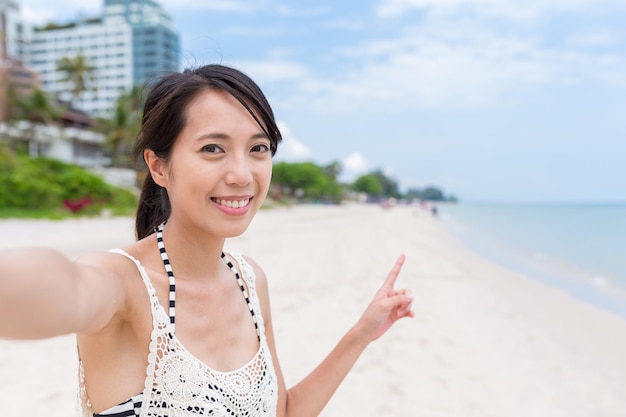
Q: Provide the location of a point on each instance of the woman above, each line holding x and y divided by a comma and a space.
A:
167, 326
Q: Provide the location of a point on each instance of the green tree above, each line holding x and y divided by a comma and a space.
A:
78, 72
390, 186
11, 105
333, 169
305, 180
38, 109
432, 194
376, 184
122, 127
369, 184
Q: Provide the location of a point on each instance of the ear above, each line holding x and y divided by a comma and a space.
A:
157, 167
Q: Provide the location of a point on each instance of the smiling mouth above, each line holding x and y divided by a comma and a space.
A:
232, 203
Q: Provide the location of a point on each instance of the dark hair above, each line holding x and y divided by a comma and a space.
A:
164, 117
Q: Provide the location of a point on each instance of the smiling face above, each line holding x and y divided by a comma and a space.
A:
220, 168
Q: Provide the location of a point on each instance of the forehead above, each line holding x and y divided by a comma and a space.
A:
214, 102
214, 110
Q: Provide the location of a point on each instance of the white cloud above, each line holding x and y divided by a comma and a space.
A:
241, 6
593, 39
461, 62
353, 165
347, 24
43, 11
299, 11
291, 149
266, 71
520, 10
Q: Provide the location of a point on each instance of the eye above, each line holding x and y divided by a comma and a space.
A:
212, 148
260, 147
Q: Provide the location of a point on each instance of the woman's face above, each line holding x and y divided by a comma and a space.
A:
220, 167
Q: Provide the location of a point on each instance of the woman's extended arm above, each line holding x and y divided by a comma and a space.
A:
44, 294
310, 396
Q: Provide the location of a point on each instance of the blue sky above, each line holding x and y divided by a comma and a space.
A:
491, 100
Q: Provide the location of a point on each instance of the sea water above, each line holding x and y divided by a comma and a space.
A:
580, 248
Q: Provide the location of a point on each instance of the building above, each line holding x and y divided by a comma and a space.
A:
11, 30
131, 42
16, 80
68, 140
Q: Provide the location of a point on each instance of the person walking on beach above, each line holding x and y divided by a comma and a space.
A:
171, 325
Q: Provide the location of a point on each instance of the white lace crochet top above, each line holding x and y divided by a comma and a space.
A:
179, 385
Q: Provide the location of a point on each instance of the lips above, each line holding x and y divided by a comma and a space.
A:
232, 203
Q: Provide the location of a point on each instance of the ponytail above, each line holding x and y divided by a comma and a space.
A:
153, 208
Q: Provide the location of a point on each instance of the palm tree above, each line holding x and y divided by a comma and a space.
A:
122, 127
78, 72
38, 109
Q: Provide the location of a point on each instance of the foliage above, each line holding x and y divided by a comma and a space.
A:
122, 127
306, 181
78, 72
53, 26
309, 182
376, 184
369, 184
49, 185
429, 193
37, 108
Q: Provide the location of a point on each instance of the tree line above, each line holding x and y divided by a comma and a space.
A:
306, 181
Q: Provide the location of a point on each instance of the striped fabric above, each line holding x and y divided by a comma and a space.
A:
245, 294
170, 274
129, 408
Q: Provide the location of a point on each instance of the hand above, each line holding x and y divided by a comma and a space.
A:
387, 307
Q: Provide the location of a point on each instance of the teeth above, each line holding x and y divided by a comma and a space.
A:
233, 203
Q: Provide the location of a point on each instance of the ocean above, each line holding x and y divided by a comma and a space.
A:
579, 248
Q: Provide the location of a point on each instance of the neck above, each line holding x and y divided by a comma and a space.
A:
193, 255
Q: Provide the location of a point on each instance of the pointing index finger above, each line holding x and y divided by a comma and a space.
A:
395, 271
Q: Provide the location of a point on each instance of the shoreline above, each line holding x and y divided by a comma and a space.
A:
584, 284
486, 341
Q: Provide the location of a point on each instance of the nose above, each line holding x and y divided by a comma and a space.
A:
239, 171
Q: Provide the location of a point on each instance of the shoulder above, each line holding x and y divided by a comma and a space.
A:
118, 272
262, 289
110, 264
254, 272
123, 262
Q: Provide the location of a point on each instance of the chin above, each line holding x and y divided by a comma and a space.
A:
235, 230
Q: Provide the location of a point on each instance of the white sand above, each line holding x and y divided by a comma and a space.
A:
484, 342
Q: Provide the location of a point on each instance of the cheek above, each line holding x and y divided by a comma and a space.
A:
268, 173
264, 170
264, 177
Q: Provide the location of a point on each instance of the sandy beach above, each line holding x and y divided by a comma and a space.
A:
485, 341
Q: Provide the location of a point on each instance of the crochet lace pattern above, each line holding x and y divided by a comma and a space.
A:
179, 385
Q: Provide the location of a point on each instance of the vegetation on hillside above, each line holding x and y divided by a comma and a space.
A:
43, 187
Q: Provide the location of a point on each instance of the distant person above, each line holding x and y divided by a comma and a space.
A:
433, 210
170, 325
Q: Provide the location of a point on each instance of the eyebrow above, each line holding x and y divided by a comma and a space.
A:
223, 136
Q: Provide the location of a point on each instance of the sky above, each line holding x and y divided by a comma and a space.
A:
489, 100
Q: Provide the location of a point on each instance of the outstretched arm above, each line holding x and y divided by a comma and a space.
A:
311, 395
44, 294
